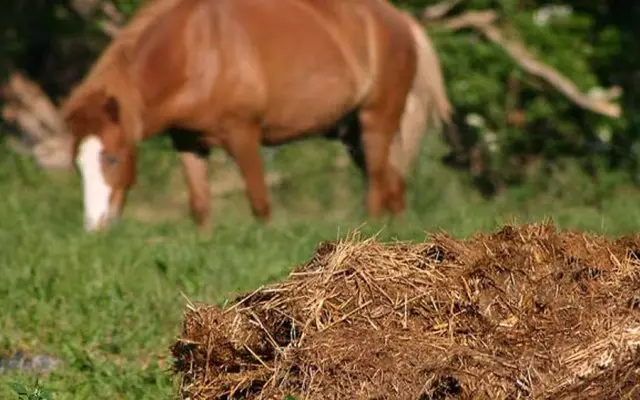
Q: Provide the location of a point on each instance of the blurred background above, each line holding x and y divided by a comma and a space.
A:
545, 95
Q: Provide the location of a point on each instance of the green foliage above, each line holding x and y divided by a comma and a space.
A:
128, 7
487, 87
37, 393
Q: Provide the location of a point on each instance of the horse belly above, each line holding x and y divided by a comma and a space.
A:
307, 107
312, 72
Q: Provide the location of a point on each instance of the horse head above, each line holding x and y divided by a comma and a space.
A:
104, 155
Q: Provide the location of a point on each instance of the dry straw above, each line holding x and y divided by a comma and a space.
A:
526, 312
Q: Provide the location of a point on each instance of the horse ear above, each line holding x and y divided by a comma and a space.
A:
76, 119
112, 108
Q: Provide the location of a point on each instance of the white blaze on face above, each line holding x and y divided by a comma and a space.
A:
96, 189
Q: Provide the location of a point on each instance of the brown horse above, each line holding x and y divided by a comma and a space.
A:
245, 73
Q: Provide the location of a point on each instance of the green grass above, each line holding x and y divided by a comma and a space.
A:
110, 304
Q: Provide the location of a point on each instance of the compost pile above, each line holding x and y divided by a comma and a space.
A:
525, 312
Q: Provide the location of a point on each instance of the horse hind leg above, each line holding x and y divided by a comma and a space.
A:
395, 200
395, 181
242, 142
349, 132
194, 158
384, 185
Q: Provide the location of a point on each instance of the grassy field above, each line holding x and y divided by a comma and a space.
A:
110, 304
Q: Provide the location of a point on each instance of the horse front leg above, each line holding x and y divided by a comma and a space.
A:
196, 174
194, 156
243, 144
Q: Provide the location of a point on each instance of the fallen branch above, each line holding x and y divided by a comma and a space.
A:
113, 13
111, 26
437, 11
28, 97
88, 8
31, 111
483, 21
43, 133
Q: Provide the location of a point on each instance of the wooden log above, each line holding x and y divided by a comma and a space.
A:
36, 117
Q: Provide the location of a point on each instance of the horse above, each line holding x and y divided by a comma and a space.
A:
241, 74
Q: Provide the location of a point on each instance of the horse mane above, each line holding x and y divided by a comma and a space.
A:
108, 72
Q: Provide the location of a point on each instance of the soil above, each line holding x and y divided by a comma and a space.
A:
525, 312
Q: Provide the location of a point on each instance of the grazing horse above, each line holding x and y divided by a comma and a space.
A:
241, 74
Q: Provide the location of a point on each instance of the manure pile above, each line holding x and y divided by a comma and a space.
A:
526, 312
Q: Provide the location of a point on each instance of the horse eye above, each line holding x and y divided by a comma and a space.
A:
110, 159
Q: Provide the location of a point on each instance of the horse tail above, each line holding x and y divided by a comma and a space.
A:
426, 102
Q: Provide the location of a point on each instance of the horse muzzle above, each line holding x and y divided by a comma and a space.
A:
101, 223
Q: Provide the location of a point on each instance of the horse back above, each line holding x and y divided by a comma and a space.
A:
305, 64
295, 65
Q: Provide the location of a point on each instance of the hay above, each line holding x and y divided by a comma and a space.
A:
526, 312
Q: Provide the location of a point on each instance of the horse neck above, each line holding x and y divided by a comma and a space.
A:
131, 106
111, 72
116, 81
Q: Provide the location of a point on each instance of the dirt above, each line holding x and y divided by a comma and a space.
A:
525, 312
